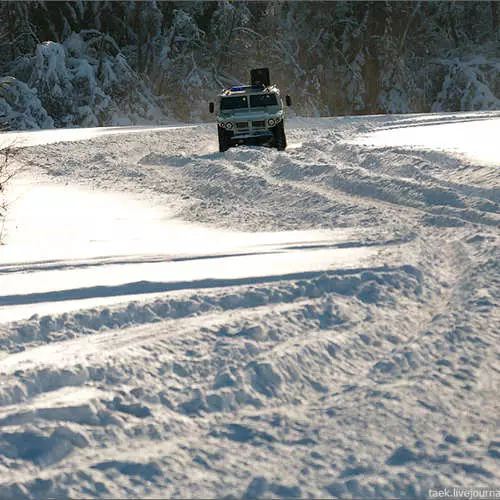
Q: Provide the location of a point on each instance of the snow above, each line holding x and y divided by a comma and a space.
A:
101, 237
162, 253
447, 137
319, 322
38, 137
84, 81
21, 107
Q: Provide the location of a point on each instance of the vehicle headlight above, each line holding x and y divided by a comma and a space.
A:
229, 125
271, 122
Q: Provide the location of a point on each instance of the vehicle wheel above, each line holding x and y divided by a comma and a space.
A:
224, 139
279, 137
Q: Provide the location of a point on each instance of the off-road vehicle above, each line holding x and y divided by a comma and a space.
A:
251, 114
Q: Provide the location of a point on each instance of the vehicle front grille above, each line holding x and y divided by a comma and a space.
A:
242, 125
259, 124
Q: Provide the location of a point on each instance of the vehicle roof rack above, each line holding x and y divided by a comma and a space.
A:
241, 88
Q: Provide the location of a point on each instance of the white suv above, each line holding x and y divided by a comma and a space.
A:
251, 114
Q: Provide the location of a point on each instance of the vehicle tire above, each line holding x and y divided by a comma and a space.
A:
279, 137
224, 139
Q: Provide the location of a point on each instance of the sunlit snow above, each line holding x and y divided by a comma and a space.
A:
315, 323
68, 238
38, 137
477, 141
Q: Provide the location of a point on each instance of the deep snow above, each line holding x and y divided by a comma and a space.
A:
320, 322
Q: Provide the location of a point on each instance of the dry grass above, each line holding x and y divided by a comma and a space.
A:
7, 154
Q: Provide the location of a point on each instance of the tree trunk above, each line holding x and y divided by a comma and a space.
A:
371, 70
452, 20
11, 28
140, 36
494, 17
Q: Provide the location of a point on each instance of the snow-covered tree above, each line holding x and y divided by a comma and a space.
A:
92, 61
86, 81
20, 107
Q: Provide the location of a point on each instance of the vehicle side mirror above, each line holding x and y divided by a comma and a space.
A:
211, 107
288, 100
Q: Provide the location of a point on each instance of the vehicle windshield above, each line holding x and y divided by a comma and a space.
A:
234, 102
261, 100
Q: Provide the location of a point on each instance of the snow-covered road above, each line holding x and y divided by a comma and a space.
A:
451, 136
105, 246
320, 322
31, 138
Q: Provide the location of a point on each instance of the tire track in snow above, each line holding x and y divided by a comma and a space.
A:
376, 385
263, 385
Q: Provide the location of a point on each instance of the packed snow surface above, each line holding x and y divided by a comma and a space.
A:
316, 323
103, 237
451, 136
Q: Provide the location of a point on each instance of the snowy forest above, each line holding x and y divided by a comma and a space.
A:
92, 63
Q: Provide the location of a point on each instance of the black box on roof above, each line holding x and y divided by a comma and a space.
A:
260, 76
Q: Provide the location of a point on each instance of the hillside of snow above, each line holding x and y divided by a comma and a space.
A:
316, 323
